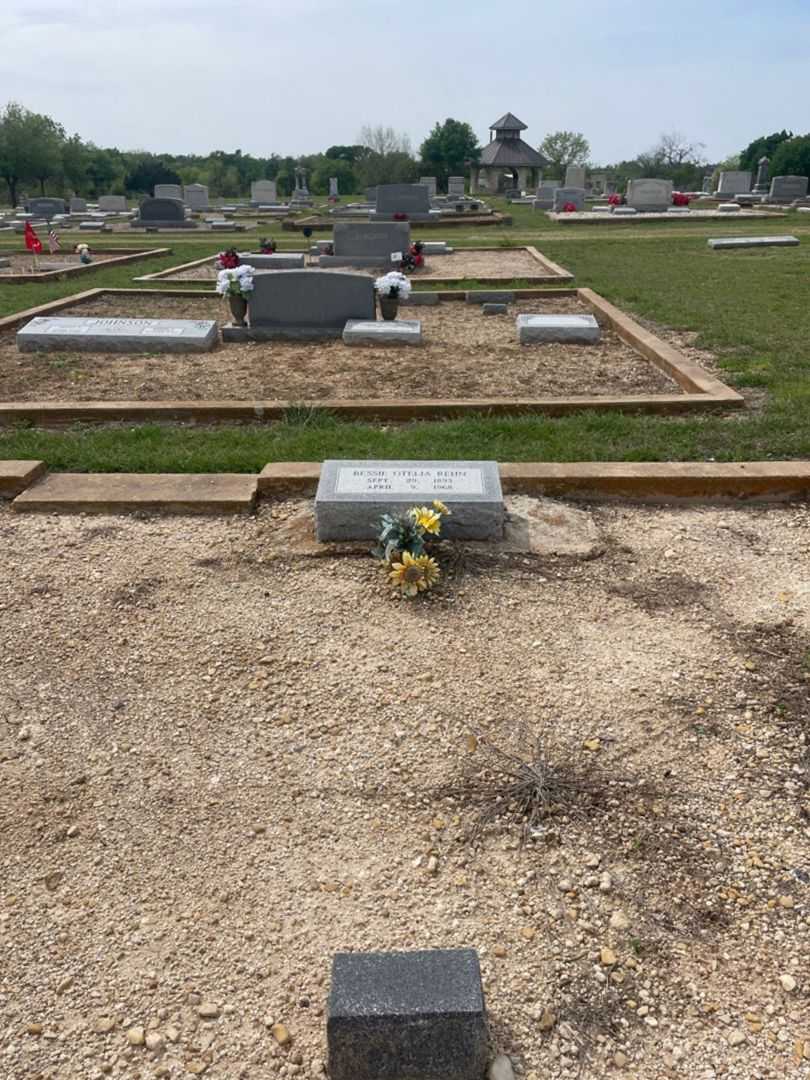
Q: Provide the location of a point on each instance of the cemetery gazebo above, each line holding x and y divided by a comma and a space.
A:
508, 161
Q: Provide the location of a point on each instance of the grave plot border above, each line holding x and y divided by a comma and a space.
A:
553, 272
650, 481
125, 255
702, 391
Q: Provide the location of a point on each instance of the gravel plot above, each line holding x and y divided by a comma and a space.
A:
23, 263
226, 753
461, 264
465, 355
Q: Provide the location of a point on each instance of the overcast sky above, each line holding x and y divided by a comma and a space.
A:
187, 76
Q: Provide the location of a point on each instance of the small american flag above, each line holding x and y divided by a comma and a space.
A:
53, 241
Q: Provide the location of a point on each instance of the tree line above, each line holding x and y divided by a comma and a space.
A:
38, 156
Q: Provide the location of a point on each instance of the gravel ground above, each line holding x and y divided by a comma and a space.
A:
465, 355
226, 753
492, 263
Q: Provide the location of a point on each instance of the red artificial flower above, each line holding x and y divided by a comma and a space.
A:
679, 199
570, 208
615, 199
400, 217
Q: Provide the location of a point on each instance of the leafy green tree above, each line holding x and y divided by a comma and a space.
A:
564, 148
30, 148
346, 153
396, 167
449, 149
326, 167
150, 170
764, 146
792, 157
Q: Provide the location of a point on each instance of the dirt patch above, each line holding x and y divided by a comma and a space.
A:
471, 265
465, 355
220, 762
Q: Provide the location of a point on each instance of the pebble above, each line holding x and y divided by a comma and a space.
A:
208, 1010
104, 1025
620, 1059
501, 1069
618, 920
154, 1042
547, 1020
788, 983
280, 1034
607, 957
135, 1036
605, 882
736, 1037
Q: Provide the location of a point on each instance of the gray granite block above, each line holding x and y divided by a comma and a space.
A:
490, 296
407, 1016
728, 208
753, 242
352, 496
291, 260
64, 334
381, 262
93, 226
624, 211
382, 332
573, 329
436, 247
494, 309
421, 299
5, 261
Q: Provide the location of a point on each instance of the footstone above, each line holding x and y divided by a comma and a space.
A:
494, 309
51, 334
226, 226
407, 1016
352, 496
92, 226
436, 247
292, 260
753, 242
570, 329
625, 211
489, 296
382, 332
728, 208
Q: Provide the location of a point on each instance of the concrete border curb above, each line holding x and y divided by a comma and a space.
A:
72, 271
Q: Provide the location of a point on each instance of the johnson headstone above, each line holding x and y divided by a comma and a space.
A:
67, 334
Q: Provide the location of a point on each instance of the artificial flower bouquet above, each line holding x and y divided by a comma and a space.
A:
402, 542
236, 281
393, 284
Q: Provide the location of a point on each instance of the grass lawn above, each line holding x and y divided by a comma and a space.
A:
749, 308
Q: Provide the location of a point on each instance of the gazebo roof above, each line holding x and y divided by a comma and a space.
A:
511, 153
508, 122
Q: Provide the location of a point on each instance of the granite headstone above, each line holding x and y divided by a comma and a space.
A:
784, 189
263, 192
55, 333
304, 304
112, 204
649, 195
195, 196
733, 182
168, 191
407, 199
352, 495
564, 195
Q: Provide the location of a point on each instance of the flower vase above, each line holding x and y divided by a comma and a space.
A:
238, 306
388, 307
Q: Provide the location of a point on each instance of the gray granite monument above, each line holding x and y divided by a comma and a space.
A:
46, 207
77, 205
410, 199
168, 191
303, 304
784, 189
649, 195
374, 243
733, 182
563, 195
162, 214
407, 1016
352, 495
263, 193
195, 196
112, 204
761, 186
575, 176
455, 186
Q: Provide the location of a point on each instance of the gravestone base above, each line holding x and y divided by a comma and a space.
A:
382, 332
421, 299
383, 262
566, 329
280, 333
292, 260
490, 296
353, 495
728, 208
407, 1016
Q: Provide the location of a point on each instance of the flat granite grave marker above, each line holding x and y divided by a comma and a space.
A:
55, 333
727, 242
407, 1016
382, 332
353, 495
569, 329
303, 304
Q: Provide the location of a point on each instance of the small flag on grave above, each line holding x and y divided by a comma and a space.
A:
53, 242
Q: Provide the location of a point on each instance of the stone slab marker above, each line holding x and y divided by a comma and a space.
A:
649, 195
382, 332
753, 242
304, 305
352, 496
569, 329
407, 1016
55, 334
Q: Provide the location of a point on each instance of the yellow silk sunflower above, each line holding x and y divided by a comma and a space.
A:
409, 575
439, 507
430, 570
427, 519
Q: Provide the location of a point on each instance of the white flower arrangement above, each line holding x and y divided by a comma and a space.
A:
236, 282
393, 284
